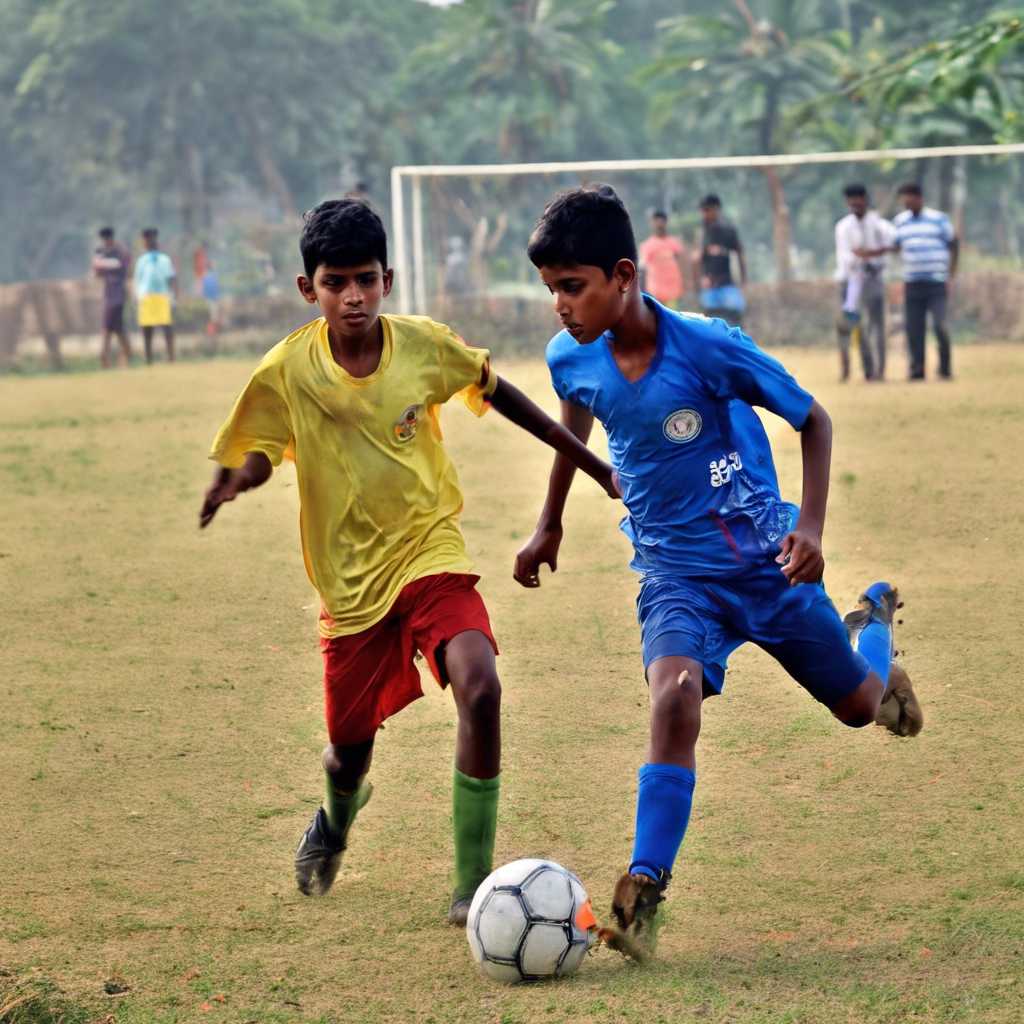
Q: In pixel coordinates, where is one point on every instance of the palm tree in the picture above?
(532, 70)
(763, 62)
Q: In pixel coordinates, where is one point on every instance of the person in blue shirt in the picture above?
(722, 558)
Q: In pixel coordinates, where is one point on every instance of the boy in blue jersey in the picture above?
(722, 558)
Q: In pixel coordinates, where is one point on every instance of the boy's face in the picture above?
(709, 214)
(659, 225)
(349, 297)
(587, 301)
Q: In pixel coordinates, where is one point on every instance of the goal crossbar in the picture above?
(411, 288)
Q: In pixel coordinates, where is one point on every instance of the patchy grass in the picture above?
(162, 727)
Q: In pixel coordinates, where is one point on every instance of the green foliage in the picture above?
(966, 84)
(133, 111)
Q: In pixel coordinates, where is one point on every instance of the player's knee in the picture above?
(677, 703)
(479, 694)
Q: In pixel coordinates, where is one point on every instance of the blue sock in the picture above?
(875, 640)
(662, 814)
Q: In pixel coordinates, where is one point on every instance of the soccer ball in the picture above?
(530, 919)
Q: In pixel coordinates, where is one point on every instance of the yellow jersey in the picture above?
(379, 497)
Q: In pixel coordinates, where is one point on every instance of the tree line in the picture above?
(135, 111)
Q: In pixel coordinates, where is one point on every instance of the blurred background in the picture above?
(220, 123)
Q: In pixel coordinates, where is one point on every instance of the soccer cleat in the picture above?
(635, 907)
(899, 711)
(458, 912)
(877, 604)
(318, 857)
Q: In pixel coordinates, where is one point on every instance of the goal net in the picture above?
(459, 235)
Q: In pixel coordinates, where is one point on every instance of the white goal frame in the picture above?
(410, 277)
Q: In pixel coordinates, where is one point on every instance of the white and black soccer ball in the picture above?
(529, 920)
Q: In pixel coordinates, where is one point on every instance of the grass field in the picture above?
(161, 731)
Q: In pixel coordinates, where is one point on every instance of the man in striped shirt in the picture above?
(929, 248)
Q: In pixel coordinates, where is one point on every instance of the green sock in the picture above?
(475, 820)
(342, 806)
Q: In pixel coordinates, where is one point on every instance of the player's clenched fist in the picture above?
(540, 549)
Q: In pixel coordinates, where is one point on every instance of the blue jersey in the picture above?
(696, 469)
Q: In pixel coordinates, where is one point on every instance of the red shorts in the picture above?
(370, 676)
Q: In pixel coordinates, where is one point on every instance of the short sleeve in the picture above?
(259, 422)
(465, 371)
(948, 234)
(734, 367)
(734, 240)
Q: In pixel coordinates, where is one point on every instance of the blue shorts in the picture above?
(707, 619)
(726, 296)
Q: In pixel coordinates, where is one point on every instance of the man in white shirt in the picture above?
(862, 282)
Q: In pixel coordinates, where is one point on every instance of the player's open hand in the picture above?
(801, 558)
(224, 488)
(540, 549)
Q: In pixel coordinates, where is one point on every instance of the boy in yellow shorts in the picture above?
(353, 398)
(155, 281)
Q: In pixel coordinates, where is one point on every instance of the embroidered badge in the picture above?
(682, 426)
(405, 428)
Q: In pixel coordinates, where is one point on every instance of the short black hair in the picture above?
(150, 232)
(711, 199)
(342, 233)
(586, 226)
(854, 191)
(909, 188)
(106, 232)
(659, 213)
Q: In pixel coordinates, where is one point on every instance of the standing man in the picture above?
(930, 250)
(861, 282)
(155, 282)
(719, 295)
(111, 262)
(662, 258)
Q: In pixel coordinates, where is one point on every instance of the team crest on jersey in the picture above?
(681, 426)
(408, 422)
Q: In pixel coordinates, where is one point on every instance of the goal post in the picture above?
(427, 202)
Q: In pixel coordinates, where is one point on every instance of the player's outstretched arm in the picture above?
(542, 547)
(229, 483)
(801, 557)
(515, 406)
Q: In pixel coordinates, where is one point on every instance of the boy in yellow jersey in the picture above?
(353, 398)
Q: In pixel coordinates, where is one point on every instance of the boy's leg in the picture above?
(870, 626)
(469, 664)
(318, 857)
(126, 348)
(147, 341)
(169, 340)
(367, 677)
(664, 798)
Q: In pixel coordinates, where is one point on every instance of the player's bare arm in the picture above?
(229, 483)
(801, 557)
(515, 406)
(542, 547)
